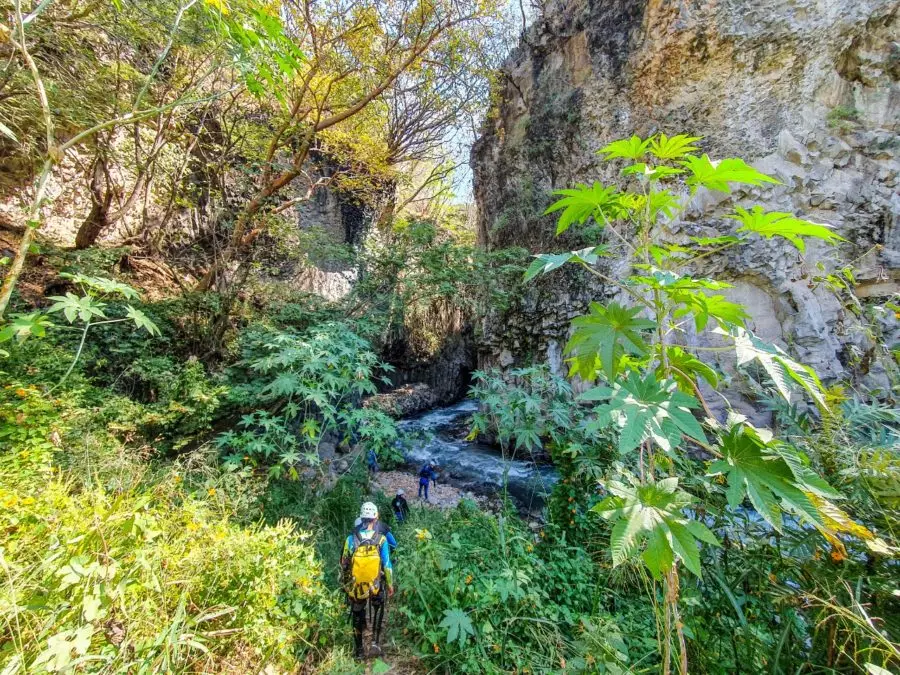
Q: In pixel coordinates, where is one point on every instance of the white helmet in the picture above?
(400, 492)
(368, 511)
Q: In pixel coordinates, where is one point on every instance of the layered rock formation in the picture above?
(806, 90)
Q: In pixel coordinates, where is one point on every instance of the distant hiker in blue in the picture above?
(426, 476)
(372, 460)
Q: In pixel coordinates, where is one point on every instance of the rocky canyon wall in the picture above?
(805, 90)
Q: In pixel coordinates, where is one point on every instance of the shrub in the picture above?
(486, 597)
(153, 579)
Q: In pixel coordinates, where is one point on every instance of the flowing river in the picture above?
(435, 436)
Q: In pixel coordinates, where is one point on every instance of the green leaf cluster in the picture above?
(648, 520)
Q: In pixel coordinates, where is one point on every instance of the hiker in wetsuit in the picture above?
(367, 577)
(400, 506)
(426, 475)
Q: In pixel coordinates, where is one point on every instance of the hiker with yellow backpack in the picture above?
(367, 577)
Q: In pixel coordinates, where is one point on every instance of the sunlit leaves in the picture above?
(606, 333)
(780, 367)
(22, 326)
(141, 320)
(703, 307)
(538, 406)
(770, 474)
(631, 148)
(780, 224)
(656, 202)
(719, 175)
(646, 408)
(314, 380)
(583, 202)
(102, 286)
(650, 516)
(676, 147)
(85, 308)
(688, 292)
(547, 262)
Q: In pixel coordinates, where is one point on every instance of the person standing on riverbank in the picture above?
(400, 506)
(426, 475)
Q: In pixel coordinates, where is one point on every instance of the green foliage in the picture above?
(842, 117)
(650, 402)
(651, 513)
(646, 410)
(604, 337)
(540, 408)
(102, 593)
(301, 387)
(547, 262)
(485, 597)
(424, 272)
(770, 474)
(780, 367)
(533, 409)
(779, 224)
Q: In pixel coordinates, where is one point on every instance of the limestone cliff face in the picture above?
(806, 90)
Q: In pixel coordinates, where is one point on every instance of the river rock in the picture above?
(806, 93)
(404, 401)
(327, 451)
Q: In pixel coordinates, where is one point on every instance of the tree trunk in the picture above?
(98, 219)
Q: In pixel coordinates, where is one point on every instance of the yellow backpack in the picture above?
(365, 566)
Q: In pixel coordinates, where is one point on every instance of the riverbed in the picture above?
(472, 465)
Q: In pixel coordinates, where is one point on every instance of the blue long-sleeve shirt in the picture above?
(427, 473)
(384, 552)
(384, 529)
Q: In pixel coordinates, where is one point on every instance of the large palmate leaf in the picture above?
(776, 362)
(654, 203)
(718, 175)
(141, 320)
(73, 307)
(628, 148)
(583, 202)
(675, 147)
(547, 262)
(23, 326)
(103, 286)
(645, 408)
(606, 334)
(650, 515)
(769, 473)
(703, 307)
(458, 624)
(781, 224)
